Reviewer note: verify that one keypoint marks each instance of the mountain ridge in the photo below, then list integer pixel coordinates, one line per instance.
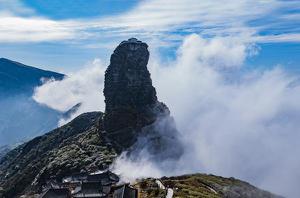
(74, 147)
(18, 77)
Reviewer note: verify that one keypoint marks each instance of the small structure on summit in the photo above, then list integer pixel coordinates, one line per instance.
(132, 107)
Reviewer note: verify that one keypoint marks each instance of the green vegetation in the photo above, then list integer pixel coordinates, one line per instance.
(72, 148)
(200, 185)
(149, 188)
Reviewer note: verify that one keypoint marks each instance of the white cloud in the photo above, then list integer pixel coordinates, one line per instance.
(164, 20)
(289, 37)
(166, 14)
(225, 52)
(130, 170)
(19, 29)
(15, 6)
(238, 123)
(84, 86)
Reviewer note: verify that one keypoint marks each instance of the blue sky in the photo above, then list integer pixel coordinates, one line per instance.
(68, 9)
(65, 35)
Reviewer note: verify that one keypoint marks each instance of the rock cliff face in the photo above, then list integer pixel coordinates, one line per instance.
(131, 101)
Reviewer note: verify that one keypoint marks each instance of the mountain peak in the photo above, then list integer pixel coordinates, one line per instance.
(13, 63)
(8, 62)
(127, 79)
(4, 59)
(131, 101)
(132, 108)
(133, 41)
(16, 77)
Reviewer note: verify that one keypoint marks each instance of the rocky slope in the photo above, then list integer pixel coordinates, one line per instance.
(72, 148)
(200, 185)
(4, 150)
(80, 147)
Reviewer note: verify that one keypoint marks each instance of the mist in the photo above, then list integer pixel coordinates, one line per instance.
(84, 86)
(21, 119)
(234, 122)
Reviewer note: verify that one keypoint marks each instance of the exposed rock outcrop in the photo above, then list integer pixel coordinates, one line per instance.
(132, 109)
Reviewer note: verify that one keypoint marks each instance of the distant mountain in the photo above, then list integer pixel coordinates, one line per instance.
(16, 78)
(21, 118)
